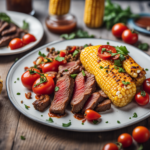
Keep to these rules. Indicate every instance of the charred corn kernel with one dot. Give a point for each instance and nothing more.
(93, 13)
(59, 7)
(134, 70)
(110, 80)
(1, 85)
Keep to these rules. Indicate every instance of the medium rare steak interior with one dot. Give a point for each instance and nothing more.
(84, 87)
(63, 95)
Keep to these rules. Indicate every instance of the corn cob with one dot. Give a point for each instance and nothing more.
(93, 13)
(59, 7)
(1, 84)
(134, 70)
(109, 79)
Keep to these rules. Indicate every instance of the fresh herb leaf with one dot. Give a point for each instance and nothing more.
(116, 67)
(129, 117)
(86, 45)
(66, 124)
(41, 115)
(107, 43)
(65, 70)
(118, 121)
(119, 145)
(56, 88)
(122, 50)
(16, 59)
(48, 60)
(42, 80)
(143, 46)
(121, 70)
(73, 76)
(106, 122)
(121, 57)
(126, 83)
(43, 55)
(83, 73)
(50, 120)
(103, 49)
(27, 107)
(101, 67)
(5, 17)
(83, 34)
(22, 137)
(25, 25)
(95, 121)
(14, 81)
(75, 53)
(68, 36)
(141, 147)
(146, 69)
(58, 58)
(18, 93)
(117, 63)
(65, 36)
(113, 54)
(82, 123)
(143, 93)
(135, 115)
(35, 66)
(17, 78)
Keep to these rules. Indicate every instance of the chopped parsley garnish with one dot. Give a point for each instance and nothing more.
(121, 57)
(35, 66)
(106, 122)
(75, 53)
(95, 121)
(68, 36)
(143, 46)
(66, 124)
(135, 115)
(17, 78)
(143, 93)
(83, 73)
(107, 43)
(41, 115)
(50, 120)
(27, 107)
(82, 123)
(121, 70)
(101, 67)
(16, 59)
(146, 69)
(117, 63)
(118, 121)
(48, 60)
(122, 50)
(14, 81)
(129, 117)
(116, 67)
(141, 147)
(18, 93)
(125, 83)
(65, 70)
(56, 88)
(43, 55)
(73, 75)
(22, 137)
(113, 54)
(86, 45)
(43, 79)
(103, 49)
(58, 58)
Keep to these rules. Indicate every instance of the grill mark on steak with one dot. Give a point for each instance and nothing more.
(71, 67)
(4, 26)
(42, 103)
(11, 30)
(84, 87)
(103, 106)
(63, 95)
(92, 101)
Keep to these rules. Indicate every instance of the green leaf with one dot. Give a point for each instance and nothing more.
(82, 123)
(107, 43)
(43, 79)
(16, 59)
(83, 73)
(129, 117)
(135, 115)
(95, 121)
(56, 88)
(48, 60)
(35, 66)
(14, 81)
(106, 122)
(122, 50)
(65, 36)
(75, 53)
(118, 121)
(103, 50)
(43, 55)
(27, 107)
(116, 67)
(143, 93)
(121, 57)
(126, 83)
(18, 93)
(86, 45)
(117, 63)
(58, 58)
(66, 124)
(141, 147)
(17, 78)
(121, 70)
(143, 46)
(73, 76)
(22, 137)
(5, 17)
(71, 36)
(65, 70)
(146, 69)
(101, 67)
(113, 54)
(50, 120)
(25, 25)
(83, 34)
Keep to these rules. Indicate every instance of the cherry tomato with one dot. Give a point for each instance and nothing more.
(44, 88)
(28, 79)
(116, 57)
(129, 36)
(146, 85)
(118, 29)
(15, 43)
(110, 146)
(142, 98)
(141, 134)
(28, 38)
(105, 54)
(73, 49)
(62, 54)
(91, 115)
(125, 139)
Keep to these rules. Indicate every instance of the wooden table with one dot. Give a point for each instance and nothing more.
(13, 124)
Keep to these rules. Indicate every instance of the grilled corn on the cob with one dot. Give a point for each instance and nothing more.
(1, 85)
(93, 13)
(108, 78)
(59, 7)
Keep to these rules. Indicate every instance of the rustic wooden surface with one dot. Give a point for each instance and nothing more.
(13, 124)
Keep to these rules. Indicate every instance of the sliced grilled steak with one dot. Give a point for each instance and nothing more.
(103, 94)
(4, 26)
(42, 103)
(92, 101)
(63, 95)
(84, 87)
(1, 22)
(49, 55)
(10, 30)
(70, 68)
(103, 106)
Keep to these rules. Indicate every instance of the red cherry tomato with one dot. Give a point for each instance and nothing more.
(44, 88)
(15, 43)
(141, 134)
(129, 37)
(125, 139)
(28, 79)
(105, 54)
(91, 115)
(118, 29)
(116, 57)
(73, 49)
(110, 146)
(28, 38)
(146, 85)
(62, 54)
(142, 98)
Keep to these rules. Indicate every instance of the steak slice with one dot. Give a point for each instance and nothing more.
(71, 67)
(49, 55)
(42, 103)
(103, 106)
(52, 74)
(92, 101)
(4, 26)
(84, 87)
(10, 30)
(63, 95)
(103, 94)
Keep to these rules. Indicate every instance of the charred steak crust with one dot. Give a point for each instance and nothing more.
(103, 106)
(84, 87)
(63, 95)
(42, 103)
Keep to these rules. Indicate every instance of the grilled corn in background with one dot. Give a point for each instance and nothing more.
(108, 78)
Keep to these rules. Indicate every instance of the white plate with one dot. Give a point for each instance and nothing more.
(35, 28)
(121, 114)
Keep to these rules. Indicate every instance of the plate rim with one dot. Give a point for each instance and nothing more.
(27, 49)
(60, 127)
